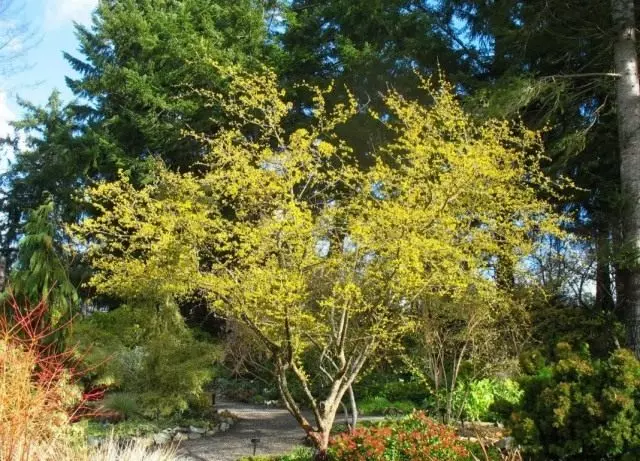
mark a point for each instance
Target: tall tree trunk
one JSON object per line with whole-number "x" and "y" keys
{"x": 604, "y": 288}
{"x": 628, "y": 113}
{"x": 620, "y": 275}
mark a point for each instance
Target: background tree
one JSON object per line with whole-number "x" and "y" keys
{"x": 141, "y": 60}
{"x": 628, "y": 115}
{"x": 139, "y": 64}
{"x": 51, "y": 160}
{"x": 550, "y": 62}
{"x": 329, "y": 40}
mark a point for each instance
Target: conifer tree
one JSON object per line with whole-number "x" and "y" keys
{"x": 41, "y": 272}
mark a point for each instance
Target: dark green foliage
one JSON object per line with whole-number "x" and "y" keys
{"x": 368, "y": 44}
{"x": 141, "y": 65}
{"x": 578, "y": 408}
{"x": 248, "y": 389}
{"x": 556, "y": 322}
{"x": 143, "y": 62}
{"x": 155, "y": 366}
{"x": 391, "y": 386}
{"x": 475, "y": 399}
{"x": 382, "y": 406}
{"x": 553, "y": 59}
{"x": 50, "y": 163}
{"x": 367, "y": 47}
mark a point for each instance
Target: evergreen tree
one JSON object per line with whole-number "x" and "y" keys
{"x": 628, "y": 115}
{"x": 42, "y": 268}
{"x": 367, "y": 46}
{"x": 53, "y": 158}
{"x": 549, "y": 62}
{"x": 143, "y": 64}
{"x": 142, "y": 67}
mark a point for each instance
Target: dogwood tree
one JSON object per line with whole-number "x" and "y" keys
{"x": 284, "y": 231}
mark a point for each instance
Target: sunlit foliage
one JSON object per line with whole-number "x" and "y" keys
{"x": 284, "y": 232}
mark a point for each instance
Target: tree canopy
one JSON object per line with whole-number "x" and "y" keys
{"x": 317, "y": 253}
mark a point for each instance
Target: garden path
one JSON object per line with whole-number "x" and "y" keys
{"x": 275, "y": 427}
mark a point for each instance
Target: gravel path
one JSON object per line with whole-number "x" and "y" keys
{"x": 277, "y": 430}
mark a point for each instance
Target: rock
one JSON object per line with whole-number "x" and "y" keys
{"x": 93, "y": 441}
{"x": 162, "y": 438}
{"x": 197, "y": 430}
{"x": 145, "y": 442}
{"x": 507, "y": 443}
{"x": 180, "y": 437}
{"x": 224, "y": 427}
{"x": 211, "y": 432}
{"x": 194, "y": 435}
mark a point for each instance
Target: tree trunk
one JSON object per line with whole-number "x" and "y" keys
{"x": 628, "y": 114}
{"x": 620, "y": 275}
{"x": 604, "y": 291}
{"x": 354, "y": 408}
{"x": 323, "y": 446}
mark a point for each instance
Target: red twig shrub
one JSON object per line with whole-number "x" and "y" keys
{"x": 39, "y": 397}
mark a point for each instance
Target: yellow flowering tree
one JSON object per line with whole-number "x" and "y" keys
{"x": 286, "y": 233}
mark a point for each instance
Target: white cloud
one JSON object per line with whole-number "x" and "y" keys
{"x": 6, "y": 116}
{"x": 60, "y": 13}
{"x": 10, "y": 37}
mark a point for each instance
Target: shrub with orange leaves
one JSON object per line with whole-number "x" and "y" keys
{"x": 415, "y": 438}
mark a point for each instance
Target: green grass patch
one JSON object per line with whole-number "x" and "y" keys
{"x": 381, "y": 406}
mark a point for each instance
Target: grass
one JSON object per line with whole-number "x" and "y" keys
{"x": 298, "y": 454}
{"x": 113, "y": 450}
{"x": 380, "y": 406}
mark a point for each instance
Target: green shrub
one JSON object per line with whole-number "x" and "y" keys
{"x": 156, "y": 365}
{"x": 483, "y": 393}
{"x": 578, "y": 408}
{"x": 475, "y": 400}
{"x": 247, "y": 390}
{"x": 404, "y": 390}
{"x": 382, "y": 406}
{"x": 123, "y": 403}
{"x": 299, "y": 454}
{"x": 555, "y": 322}
{"x": 391, "y": 387}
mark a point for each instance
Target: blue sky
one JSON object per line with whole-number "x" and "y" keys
{"x": 52, "y": 20}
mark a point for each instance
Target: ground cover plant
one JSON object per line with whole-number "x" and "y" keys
{"x": 414, "y": 437}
